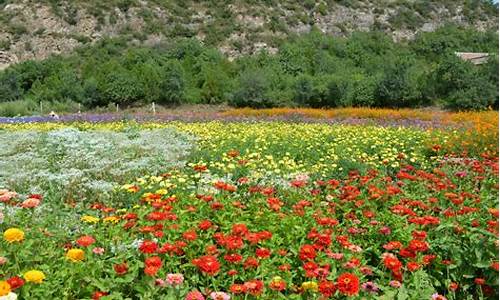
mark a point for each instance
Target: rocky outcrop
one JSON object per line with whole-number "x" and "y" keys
{"x": 35, "y": 29}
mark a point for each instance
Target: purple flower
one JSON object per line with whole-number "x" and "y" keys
{"x": 370, "y": 287}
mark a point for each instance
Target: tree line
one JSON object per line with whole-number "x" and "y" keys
{"x": 313, "y": 70}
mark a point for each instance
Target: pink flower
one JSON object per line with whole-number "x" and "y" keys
{"x": 30, "y": 203}
{"x": 175, "y": 279}
{"x": 395, "y": 283}
{"x": 160, "y": 282}
{"x": 219, "y": 296}
{"x": 98, "y": 251}
{"x": 385, "y": 230}
{"x": 3, "y": 260}
{"x": 194, "y": 295}
{"x": 337, "y": 256}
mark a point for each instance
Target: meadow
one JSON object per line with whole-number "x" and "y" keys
{"x": 251, "y": 204}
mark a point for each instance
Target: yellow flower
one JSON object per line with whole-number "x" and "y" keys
{"x": 34, "y": 276}
{"x": 4, "y": 288}
{"x": 310, "y": 285}
{"x": 89, "y": 219}
{"x": 75, "y": 255}
{"x": 112, "y": 219}
{"x": 13, "y": 235}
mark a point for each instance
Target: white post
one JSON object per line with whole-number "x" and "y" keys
{"x": 41, "y": 108}
{"x": 154, "y": 109}
{"x": 117, "y": 107}
{"x": 79, "y": 108}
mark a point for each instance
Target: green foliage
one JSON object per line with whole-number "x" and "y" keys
{"x": 465, "y": 86}
{"x": 364, "y": 69}
{"x": 251, "y": 91}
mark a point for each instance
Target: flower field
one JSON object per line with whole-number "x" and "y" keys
{"x": 249, "y": 209}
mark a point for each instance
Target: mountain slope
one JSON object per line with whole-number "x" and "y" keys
{"x": 36, "y": 29}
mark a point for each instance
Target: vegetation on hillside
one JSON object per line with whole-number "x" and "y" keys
{"x": 315, "y": 70}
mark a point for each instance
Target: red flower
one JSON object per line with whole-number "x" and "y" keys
{"x": 412, "y": 266}
{"x": 85, "y": 241}
{"x": 15, "y": 282}
{"x": 190, "y": 235}
{"x": 392, "y": 263}
{"x": 207, "y": 264}
{"x": 153, "y": 261}
{"x": 233, "y": 258}
{"x": 148, "y": 247}
{"x": 239, "y": 229}
{"x": 238, "y": 289}
{"x": 98, "y": 295}
{"x": 479, "y": 281}
{"x": 348, "y": 284}
{"x": 494, "y": 265}
{"x": 233, "y": 243}
{"x": 205, "y": 225}
{"x": 327, "y": 288}
{"x": 263, "y": 253}
{"x": 151, "y": 271}
{"x": 277, "y": 285}
{"x": 307, "y": 252}
{"x": 121, "y": 269}
{"x": 453, "y": 286}
{"x": 251, "y": 263}
{"x": 254, "y": 287}
{"x": 418, "y": 246}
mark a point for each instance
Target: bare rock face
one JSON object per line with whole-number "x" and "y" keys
{"x": 6, "y": 59}
{"x": 32, "y": 29}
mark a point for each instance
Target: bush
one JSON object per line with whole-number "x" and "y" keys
{"x": 251, "y": 91}
{"x": 464, "y": 86}
{"x": 60, "y": 87}
{"x": 172, "y": 84}
{"x": 400, "y": 84}
{"x": 17, "y": 108}
{"x": 10, "y": 86}
{"x": 361, "y": 91}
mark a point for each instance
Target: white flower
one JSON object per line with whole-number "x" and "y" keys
{"x": 9, "y": 296}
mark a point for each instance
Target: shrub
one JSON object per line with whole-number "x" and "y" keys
{"x": 251, "y": 91}
{"x": 172, "y": 83}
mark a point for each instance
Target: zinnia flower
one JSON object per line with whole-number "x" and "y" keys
{"x": 194, "y": 295}
{"x": 15, "y": 282}
{"x": 148, "y": 247}
{"x": 370, "y": 287}
{"x": 34, "y": 276}
{"x": 75, "y": 255}
{"x": 30, "y": 203}
{"x": 175, "y": 279}
{"x": 348, "y": 284}
{"x": 85, "y": 241}
{"x": 310, "y": 285}
{"x": 98, "y": 251}
{"x": 219, "y": 296}
{"x": 13, "y": 235}
{"x": 9, "y": 296}
{"x": 4, "y": 288}
{"x": 121, "y": 269}
{"x": 89, "y": 219}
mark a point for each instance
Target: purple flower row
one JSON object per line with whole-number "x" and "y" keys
{"x": 192, "y": 117}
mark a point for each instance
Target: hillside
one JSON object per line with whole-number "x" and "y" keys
{"x": 35, "y": 29}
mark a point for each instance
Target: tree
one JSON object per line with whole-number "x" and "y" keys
{"x": 251, "y": 90}
{"x": 172, "y": 83}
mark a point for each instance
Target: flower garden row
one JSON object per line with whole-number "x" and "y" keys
{"x": 268, "y": 211}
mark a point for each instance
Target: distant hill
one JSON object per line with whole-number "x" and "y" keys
{"x": 36, "y": 29}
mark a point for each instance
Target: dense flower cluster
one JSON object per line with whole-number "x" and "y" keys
{"x": 259, "y": 213}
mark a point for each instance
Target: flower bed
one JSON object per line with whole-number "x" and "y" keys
{"x": 269, "y": 211}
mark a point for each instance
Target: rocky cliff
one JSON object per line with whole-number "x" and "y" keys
{"x": 36, "y": 29}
